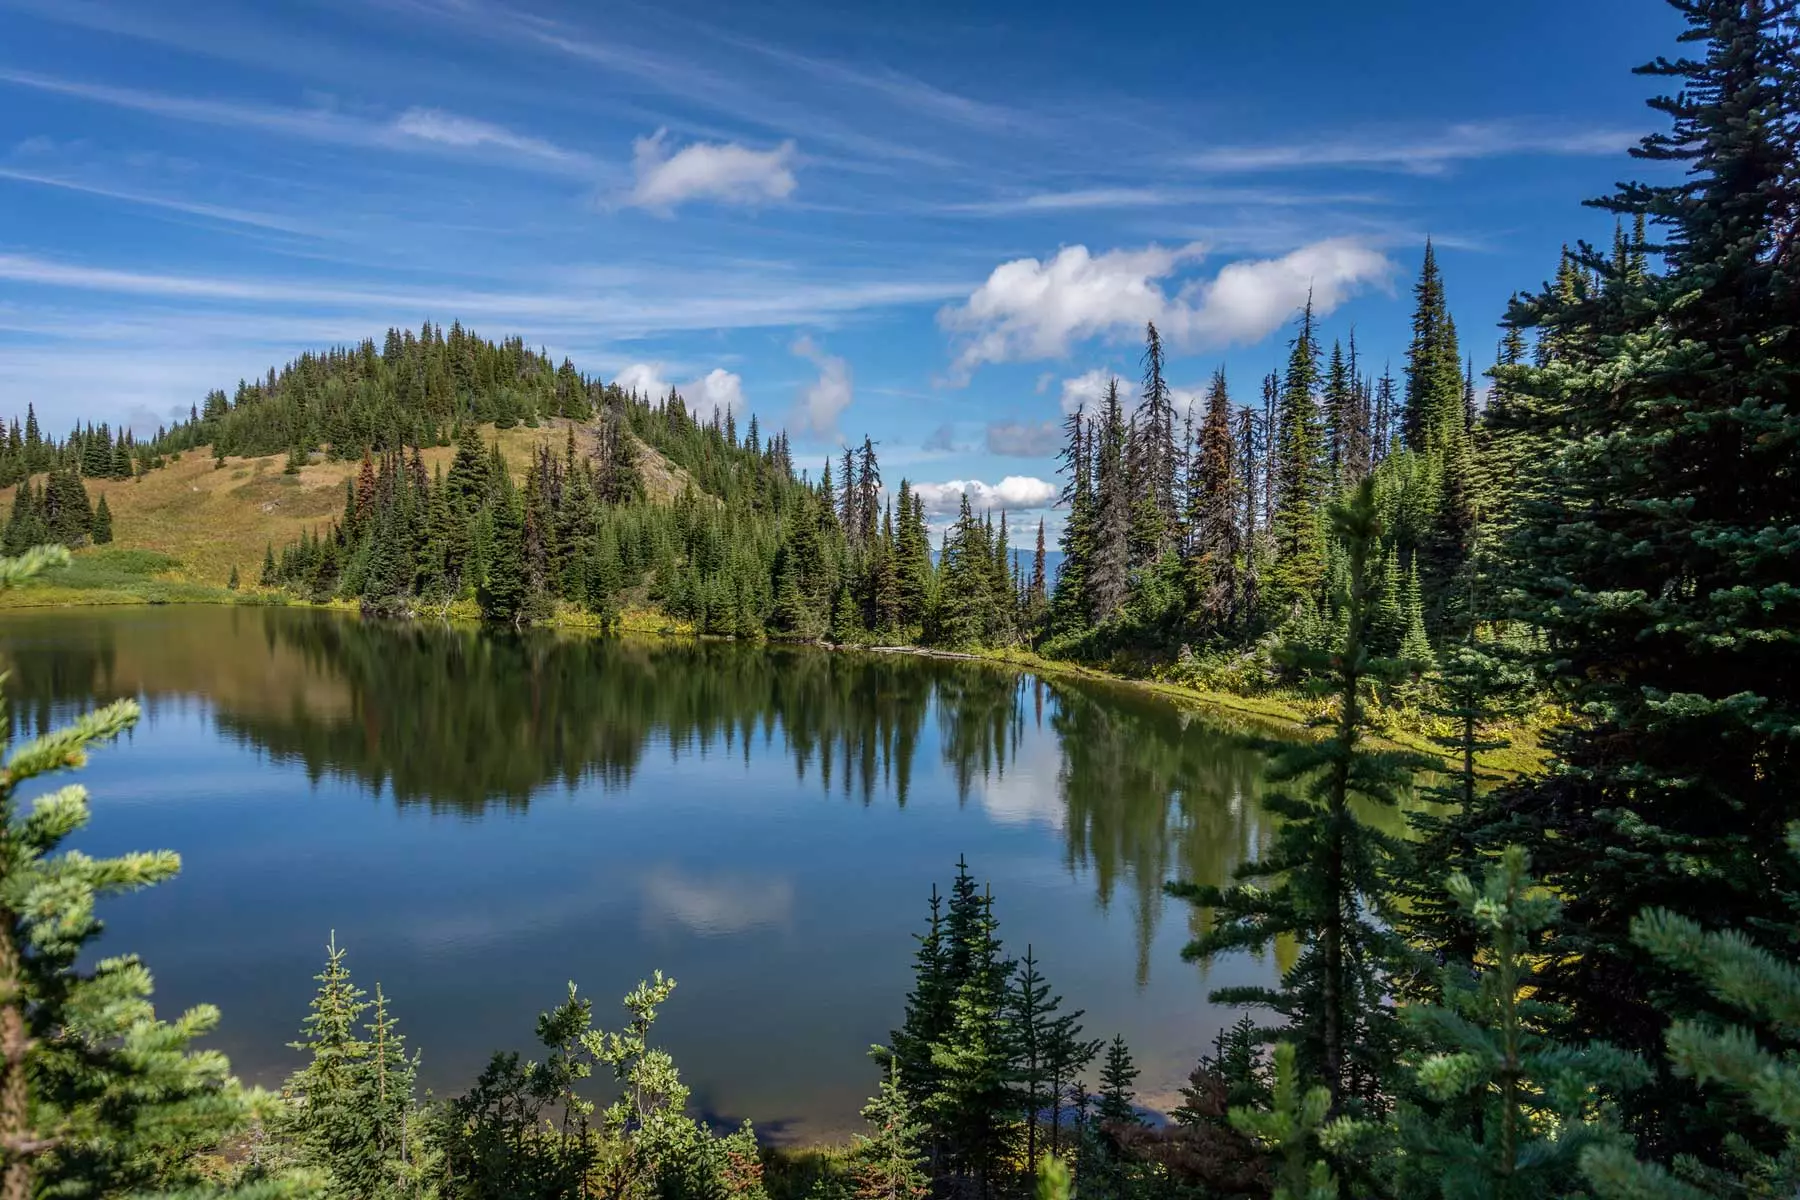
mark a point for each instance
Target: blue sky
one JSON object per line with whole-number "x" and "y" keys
{"x": 934, "y": 223}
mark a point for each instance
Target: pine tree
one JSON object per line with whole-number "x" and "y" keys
{"x": 1298, "y": 571}
{"x": 888, "y": 1163}
{"x": 231, "y": 582}
{"x": 1736, "y": 1059}
{"x": 1648, "y": 564}
{"x": 98, "y": 1097}
{"x": 1327, "y": 870}
{"x": 1108, "y": 571}
{"x": 1213, "y": 502}
{"x": 502, "y": 593}
{"x": 1118, "y": 1081}
{"x": 103, "y": 525}
{"x": 1507, "y": 1111}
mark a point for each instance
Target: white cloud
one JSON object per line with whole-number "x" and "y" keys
{"x": 824, "y": 399}
{"x": 717, "y": 389}
{"x": 448, "y": 129}
{"x": 645, "y": 379}
{"x": 1012, "y": 493}
{"x": 723, "y": 171}
{"x": 1024, "y": 439}
{"x": 1421, "y": 154}
{"x": 1086, "y": 390}
{"x": 1029, "y": 309}
{"x": 940, "y": 440}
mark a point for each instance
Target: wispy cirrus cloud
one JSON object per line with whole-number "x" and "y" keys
{"x": 416, "y": 129}
{"x": 621, "y": 303}
{"x": 1420, "y": 153}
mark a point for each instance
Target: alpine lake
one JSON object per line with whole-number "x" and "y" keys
{"x": 480, "y": 819}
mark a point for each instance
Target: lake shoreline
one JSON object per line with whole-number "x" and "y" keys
{"x": 1523, "y": 758}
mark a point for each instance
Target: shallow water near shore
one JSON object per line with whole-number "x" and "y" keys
{"x": 481, "y": 819}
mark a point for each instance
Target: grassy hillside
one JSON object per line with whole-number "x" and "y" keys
{"x": 185, "y": 525}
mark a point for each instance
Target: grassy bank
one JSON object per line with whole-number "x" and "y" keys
{"x": 108, "y": 575}
{"x": 111, "y": 575}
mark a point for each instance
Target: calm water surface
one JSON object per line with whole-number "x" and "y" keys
{"x": 482, "y": 819}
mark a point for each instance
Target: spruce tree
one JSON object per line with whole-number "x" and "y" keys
{"x": 1648, "y": 562}
{"x": 1118, "y": 1084}
{"x": 1505, "y": 1110}
{"x": 103, "y": 524}
{"x": 98, "y": 1097}
{"x": 1298, "y": 570}
{"x": 1324, "y": 879}
{"x": 1108, "y": 573}
{"x": 888, "y": 1163}
{"x": 1214, "y": 549}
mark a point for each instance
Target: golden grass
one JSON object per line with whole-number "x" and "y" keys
{"x": 209, "y": 519}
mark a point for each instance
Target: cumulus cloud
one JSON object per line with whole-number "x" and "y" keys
{"x": 1030, "y": 309}
{"x": 1085, "y": 391}
{"x": 824, "y": 399}
{"x": 1012, "y": 493}
{"x": 722, "y": 171}
{"x": 645, "y": 379}
{"x": 718, "y": 388}
{"x": 1024, "y": 439}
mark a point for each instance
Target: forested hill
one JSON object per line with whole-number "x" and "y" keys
{"x": 442, "y": 466}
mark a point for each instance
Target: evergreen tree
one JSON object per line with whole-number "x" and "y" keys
{"x": 103, "y": 527}
{"x": 888, "y": 1163}
{"x": 1155, "y": 514}
{"x": 1213, "y": 502}
{"x": 1326, "y": 870}
{"x": 1118, "y": 1081}
{"x": 1647, "y": 562}
{"x": 1757, "y": 1065}
{"x": 1506, "y": 1111}
{"x": 1041, "y": 1036}
{"x": 98, "y": 1097}
{"x": 502, "y": 593}
{"x": 1108, "y": 571}
{"x": 1298, "y": 571}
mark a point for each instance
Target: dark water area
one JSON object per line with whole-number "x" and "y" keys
{"x": 481, "y": 819}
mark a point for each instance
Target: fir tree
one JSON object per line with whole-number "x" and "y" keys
{"x": 888, "y": 1163}
{"x": 1213, "y": 503}
{"x": 1647, "y": 562}
{"x": 1108, "y": 571}
{"x": 502, "y": 593}
{"x": 103, "y": 524}
{"x": 1508, "y": 1111}
{"x": 1118, "y": 1081}
{"x": 1327, "y": 870}
{"x": 1756, "y": 1064}
{"x": 1298, "y": 571}
{"x": 98, "y": 1097}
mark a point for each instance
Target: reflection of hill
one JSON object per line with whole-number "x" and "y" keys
{"x": 457, "y": 720}
{"x": 235, "y": 658}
